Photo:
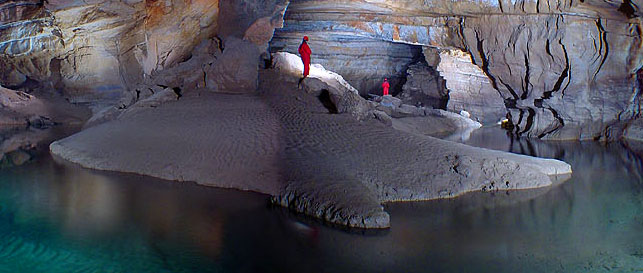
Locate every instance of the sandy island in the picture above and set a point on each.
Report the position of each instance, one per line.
(285, 143)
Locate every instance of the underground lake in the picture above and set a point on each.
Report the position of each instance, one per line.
(58, 217)
(332, 136)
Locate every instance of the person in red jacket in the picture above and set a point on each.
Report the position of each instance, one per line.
(385, 87)
(304, 52)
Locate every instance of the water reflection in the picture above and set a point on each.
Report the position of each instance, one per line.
(614, 158)
(591, 223)
(55, 217)
(106, 220)
(17, 145)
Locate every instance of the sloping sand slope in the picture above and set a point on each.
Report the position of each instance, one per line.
(229, 141)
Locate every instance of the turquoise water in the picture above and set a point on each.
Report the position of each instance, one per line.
(55, 217)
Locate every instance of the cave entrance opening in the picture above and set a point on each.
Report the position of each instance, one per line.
(422, 84)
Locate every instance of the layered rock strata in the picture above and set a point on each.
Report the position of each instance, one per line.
(363, 60)
(560, 69)
(557, 69)
(97, 51)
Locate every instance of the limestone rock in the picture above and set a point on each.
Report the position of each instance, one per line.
(383, 117)
(172, 29)
(12, 99)
(97, 50)
(564, 70)
(262, 30)
(553, 85)
(338, 98)
(390, 101)
(236, 71)
(469, 88)
(535, 62)
(104, 115)
(635, 130)
(424, 87)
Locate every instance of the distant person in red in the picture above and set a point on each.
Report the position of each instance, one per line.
(385, 87)
(304, 52)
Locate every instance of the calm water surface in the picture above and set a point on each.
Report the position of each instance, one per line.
(60, 218)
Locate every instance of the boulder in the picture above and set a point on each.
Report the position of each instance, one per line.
(12, 99)
(436, 122)
(158, 98)
(408, 110)
(19, 157)
(383, 117)
(461, 121)
(261, 31)
(237, 70)
(390, 101)
(13, 78)
(338, 98)
(40, 122)
(106, 114)
(331, 88)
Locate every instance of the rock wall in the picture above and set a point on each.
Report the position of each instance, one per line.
(424, 87)
(98, 51)
(571, 79)
(364, 62)
(94, 50)
(559, 69)
(470, 88)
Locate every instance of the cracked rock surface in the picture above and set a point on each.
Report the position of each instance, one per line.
(557, 69)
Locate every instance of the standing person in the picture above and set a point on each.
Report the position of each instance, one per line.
(385, 87)
(304, 52)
